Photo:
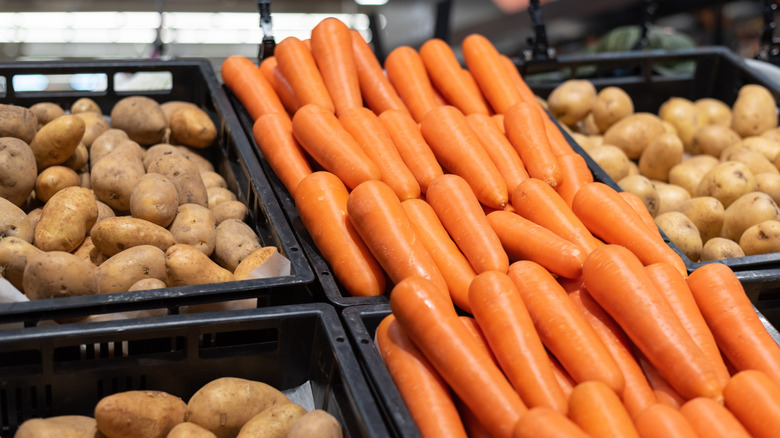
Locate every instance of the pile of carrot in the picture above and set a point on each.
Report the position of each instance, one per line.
(527, 300)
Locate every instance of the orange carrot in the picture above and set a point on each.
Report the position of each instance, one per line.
(600, 207)
(662, 421)
(616, 279)
(453, 265)
(432, 323)
(712, 420)
(444, 71)
(640, 208)
(322, 135)
(523, 89)
(274, 136)
(576, 174)
(270, 69)
(409, 142)
(331, 47)
(473, 328)
(379, 219)
(457, 208)
(731, 317)
(321, 201)
(371, 135)
(299, 67)
(510, 332)
(542, 421)
(525, 130)
(664, 393)
(251, 88)
(376, 89)
(498, 119)
(474, 88)
(425, 393)
(525, 240)
(484, 63)
(596, 408)
(562, 328)
(499, 149)
(540, 203)
(561, 376)
(474, 428)
(406, 71)
(558, 143)
(458, 150)
(754, 398)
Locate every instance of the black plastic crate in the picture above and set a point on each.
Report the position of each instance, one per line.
(62, 370)
(232, 156)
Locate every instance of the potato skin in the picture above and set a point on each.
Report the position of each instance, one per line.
(14, 254)
(572, 100)
(660, 155)
(761, 238)
(139, 414)
(18, 122)
(316, 423)
(719, 248)
(612, 104)
(706, 213)
(56, 274)
(56, 141)
(184, 175)
(670, 196)
(147, 284)
(79, 159)
(715, 111)
(253, 261)
(191, 126)
(14, 222)
(634, 132)
(212, 179)
(113, 235)
(66, 219)
(154, 199)
(754, 160)
(63, 426)
(90, 253)
(235, 241)
(95, 125)
(218, 195)
(105, 143)
(185, 265)
(172, 106)
(727, 181)
(684, 116)
(713, 140)
(754, 111)
(748, 210)
(114, 177)
(611, 159)
(85, 104)
(690, 172)
(53, 179)
(141, 118)
(126, 268)
(642, 187)
(682, 232)
(190, 430)
(45, 112)
(230, 210)
(18, 170)
(273, 422)
(195, 225)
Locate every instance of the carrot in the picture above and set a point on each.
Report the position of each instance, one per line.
(662, 421)
(321, 201)
(249, 85)
(525, 240)
(331, 47)
(616, 279)
(377, 91)
(372, 137)
(498, 119)
(542, 421)
(540, 203)
(322, 135)
(711, 419)
(510, 332)
(406, 72)
(640, 208)
(596, 408)
(474, 428)
(474, 88)
(299, 67)
(525, 130)
(379, 219)
(754, 398)
(664, 393)
(269, 67)
(409, 142)
(558, 143)
(458, 150)
(600, 207)
(457, 208)
(523, 90)
(576, 174)
(273, 134)
(453, 265)
(731, 317)
(562, 328)
(432, 323)
(484, 63)
(445, 74)
(473, 328)
(561, 376)
(499, 149)
(425, 393)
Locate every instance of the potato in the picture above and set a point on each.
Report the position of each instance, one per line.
(684, 116)
(65, 219)
(612, 160)
(748, 210)
(689, 173)
(634, 132)
(682, 232)
(670, 196)
(273, 422)
(719, 248)
(769, 183)
(761, 238)
(184, 175)
(230, 210)
(218, 195)
(769, 148)
(18, 122)
(706, 213)
(124, 269)
(754, 111)
(612, 104)
(105, 143)
(85, 104)
(772, 134)
(141, 118)
(90, 253)
(252, 262)
(158, 150)
(172, 106)
(755, 161)
(660, 155)
(191, 126)
(14, 254)
(61, 426)
(53, 179)
(45, 112)
(225, 404)
(95, 123)
(727, 181)
(317, 423)
(587, 125)
(714, 111)
(669, 128)
(57, 140)
(713, 139)
(113, 235)
(154, 199)
(195, 225)
(642, 187)
(235, 241)
(212, 179)
(55, 274)
(34, 216)
(572, 100)
(79, 159)
(104, 211)
(14, 222)
(18, 170)
(147, 284)
(114, 177)
(186, 266)
(141, 414)
(197, 159)
(190, 430)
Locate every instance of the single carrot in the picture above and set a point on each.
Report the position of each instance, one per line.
(525, 240)
(406, 72)
(484, 63)
(509, 330)
(432, 323)
(525, 130)
(558, 143)
(445, 73)
(379, 219)
(321, 201)
(377, 91)
(542, 421)
(598, 411)
(733, 320)
(409, 142)
(616, 279)
(474, 428)
(561, 376)
(473, 328)
(538, 202)
(754, 398)
(372, 137)
(600, 207)
(249, 85)
(270, 69)
(453, 265)
(576, 174)
(471, 83)
(562, 328)
(662, 421)
(498, 119)
(459, 211)
(274, 136)
(440, 100)
(499, 149)
(459, 151)
(299, 67)
(321, 134)
(664, 393)
(525, 92)
(711, 419)
(640, 208)
(331, 47)
(424, 392)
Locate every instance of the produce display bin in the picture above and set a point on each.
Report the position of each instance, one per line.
(232, 156)
(67, 369)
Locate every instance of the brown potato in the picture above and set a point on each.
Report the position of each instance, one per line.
(85, 104)
(689, 173)
(253, 261)
(186, 266)
(755, 161)
(191, 126)
(154, 199)
(612, 160)
(105, 143)
(727, 181)
(748, 210)
(772, 134)
(612, 104)
(660, 155)
(212, 179)
(53, 179)
(682, 232)
(706, 213)
(61, 426)
(45, 112)
(235, 241)
(634, 132)
(230, 210)
(18, 170)
(139, 414)
(754, 111)
(273, 422)
(79, 159)
(14, 254)
(18, 122)
(769, 183)
(124, 269)
(141, 118)
(114, 177)
(684, 116)
(172, 106)
(713, 139)
(89, 253)
(218, 195)
(714, 111)
(197, 159)
(642, 187)
(572, 100)
(158, 150)
(55, 274)
(761, 238)
(96, 125)
(195, 225)
(587, 125)
(719, 248)
(147, 284)
(65, 219)
(57, 140)
(670, 196)
(104, 211)
(184, 175)
(113, 235)
(34, 216)
(190, 430)
(317, 423)
(14, 222)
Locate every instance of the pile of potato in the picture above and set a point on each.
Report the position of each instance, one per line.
(91, 204)
(226, 407)
(707, 171)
